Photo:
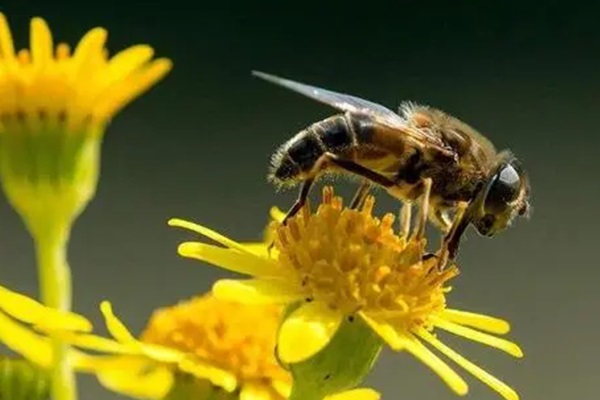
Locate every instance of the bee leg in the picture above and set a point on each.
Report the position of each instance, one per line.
(441, 219)
(297, 206)
(451, 241)
(361, 194)
(300, 201)
(357, 169)
(405, 217)
(424, 212)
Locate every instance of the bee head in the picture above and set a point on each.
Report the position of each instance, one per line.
(504, 196)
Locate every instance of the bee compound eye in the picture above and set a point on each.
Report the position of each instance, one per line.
(504, 189)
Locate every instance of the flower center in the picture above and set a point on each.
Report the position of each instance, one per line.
(234, 337)
(353, 261)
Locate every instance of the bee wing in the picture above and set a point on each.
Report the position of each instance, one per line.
(346, 102)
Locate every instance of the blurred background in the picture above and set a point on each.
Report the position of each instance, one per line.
(197, 146)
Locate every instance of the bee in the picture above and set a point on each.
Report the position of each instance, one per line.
(418, 154)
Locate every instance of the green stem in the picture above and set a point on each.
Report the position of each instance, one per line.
(55, 291)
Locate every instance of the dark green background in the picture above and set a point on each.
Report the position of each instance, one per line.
(197, 146)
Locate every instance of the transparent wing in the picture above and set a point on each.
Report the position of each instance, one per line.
(345, 102)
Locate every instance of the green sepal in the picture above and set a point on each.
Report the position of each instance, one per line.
(188, 387)
(49, 173)
(21, 380)
(342, 365)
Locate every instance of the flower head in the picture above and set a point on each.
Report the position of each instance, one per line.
(236, 338)
(204, 344)
(48, 85)
(54, 106)
(339, 263)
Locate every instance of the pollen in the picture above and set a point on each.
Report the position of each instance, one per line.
(353, 261)
(234, 337)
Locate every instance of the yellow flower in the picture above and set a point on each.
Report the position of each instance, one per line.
(226, 343)
(54, 107)
(340, 263)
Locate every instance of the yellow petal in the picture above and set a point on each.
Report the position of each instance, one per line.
(30, 311)
(98, 343)
(132, 347)
(306, 331)
(427, 357)
(36, 348)
(385, 331)
(478, 321)
(469, 333)
(117, 329)
(160, 353)
(283, 388)
(260, 249)
(216, 376)
(7, 50)
(209, 233)
(232, 260)
(493, 382)
(277, 214)
(136, 377)
(41, 41)
(123, 92)
(90, 44)
(356, 394)
(257, 291)
(23, 341)
(127, 61)
(256, 391)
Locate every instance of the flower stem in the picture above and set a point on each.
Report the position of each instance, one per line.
(54, 277)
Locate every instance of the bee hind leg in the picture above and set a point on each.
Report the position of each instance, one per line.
(357, 169)
(300, 201)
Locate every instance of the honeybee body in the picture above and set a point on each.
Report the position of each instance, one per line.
(420, 152)
(358, 138)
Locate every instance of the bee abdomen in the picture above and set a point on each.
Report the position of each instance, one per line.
(299, 155)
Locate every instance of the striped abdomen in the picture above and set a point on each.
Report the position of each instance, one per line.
(337, 135)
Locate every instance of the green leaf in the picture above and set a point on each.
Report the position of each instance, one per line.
(21, 380)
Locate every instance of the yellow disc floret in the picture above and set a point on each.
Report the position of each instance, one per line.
(234, 337)
(353, 261)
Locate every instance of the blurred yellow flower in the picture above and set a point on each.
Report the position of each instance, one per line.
(343, 263)
(229, 344)
(54, 106)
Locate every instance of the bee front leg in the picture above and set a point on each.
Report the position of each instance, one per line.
(451, 240)
(441, 219)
